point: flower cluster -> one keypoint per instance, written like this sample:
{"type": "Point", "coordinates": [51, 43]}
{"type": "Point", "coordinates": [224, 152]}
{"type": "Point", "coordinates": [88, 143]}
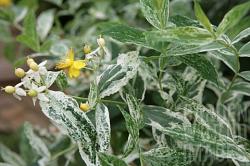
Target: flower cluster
{"type": "Point", "coordinates": [32, 82]}
{"type": "Point", "coordinates": [72, 66]}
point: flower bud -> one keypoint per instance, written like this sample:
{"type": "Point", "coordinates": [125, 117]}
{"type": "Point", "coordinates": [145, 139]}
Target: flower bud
{"type": "Point", "coordinates": [33, 66]}
{"type": "Point", "coordinates": [101, 42]}
{"type": "Point", "coordinates": [29, 61]}
{"type": "Point", "coordinates": [84, 107]}
{"type": "Point", "coordinates": [32, 93]}
{"type": "Point", "coordinates": [9, 89]}
{"type": "Point", "coordinates": [20, 73]}
{"type": "Point", "coordinates": [86, 49]}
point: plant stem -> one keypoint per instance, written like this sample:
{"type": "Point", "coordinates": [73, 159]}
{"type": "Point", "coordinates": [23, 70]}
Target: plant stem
{"type": "Point", "coordinates": [73, 147]}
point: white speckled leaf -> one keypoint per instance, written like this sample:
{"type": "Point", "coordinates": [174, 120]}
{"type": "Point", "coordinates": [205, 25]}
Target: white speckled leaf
{"type": "Point", "coordinates": [184, 35]}
{"type": "Point", "coordinates": [205, 116]}
{"type": "Point", "coordinates": [135, 109]}
{"type": "Point", "coordinates": [50, 78]}
{"type": "Point", "coordinates": [156, 12]}
{"type": "Point", "coordinates": [201, 136]}
{"type": "Point", "coordinates": [167, 156]}
{"type": "Point", "coordinates": [65, 112]}
{"type": "Point", "coordinates": [102, 127]}
{"type": "Point", "coordinates": [133, 130]}
{"type": "Point", "coordinates": [117, 76]}
{"type": "Point", "coordinates": [37, 144]}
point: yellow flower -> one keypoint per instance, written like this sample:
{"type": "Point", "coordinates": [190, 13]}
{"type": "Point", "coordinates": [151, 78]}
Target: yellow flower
{"type": "Point", "coordinates": [71, 65]}
{"type": "Point", "coordinates": [5, 3]}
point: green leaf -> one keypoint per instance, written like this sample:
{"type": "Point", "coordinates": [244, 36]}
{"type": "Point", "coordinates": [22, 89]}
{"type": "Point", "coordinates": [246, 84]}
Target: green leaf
{"type": "Point", "coordinates": [133, 130]}
{"type": "Point", "coordinates": [241, 87]}
{"type": "Point", "coordinates": [123, 33]}
{"type": "Point", "coordinates": [233, 17]}
{"type": "Point", "coordinates": [183, 21]}
{"type": "Point", "coordinates": [126, 34]}
{"type": "Point", "coordinates": [5, 33]}
{"type": "Point", "coordinates": [102, 127]}
{"type": "Point", "coordinates": [59, 48]}
{"type": "Point", "coordinates": [10, 157]}
{"type": "Point", "coordinates": [135, 110]}
{"type": "Point", "coordinates": [110, 160]}
{"type": "Point", "coordinates": [163, 116]}
{"type": "Point", "coordinates": [245, 75]}
{"type": "Point", "coordinates": [228, 58]}
{"type": "Point", "coordinates": [57, 2]}
{"type": "Point", "coordinates": [201, 16]}
{"type": "Point", "coordinates": [167, 156]}
{"type": "Point", "coordinates": [9, 52]}
{"type": "Point", "coordinates": [51, 77]}
{"type": "Point", "coordinates": [5, 164]}
{"type": "Point", "coordinates": [44, 23]}
{"type": "Point", "coordinates": [93, 94]}
{"type": "Point", "coordinates": [243, 34]}
{"type": "Point", "coordinates": [116, 76]}
{"type": "Point", "coordinates": [245, 50]}
{"type": "Point", "coordinates": [61, 81]}
{"type": "Point", "coordinates": [205, 116]}
{"type": "Point", "coordinates": [29, 35]}
{"type": "Point", "coordinates": [37, 144]}
{"type": "Point", "coordinates": [65, 112]}
{"type": "Point", "coordinates": [200, 136]}
{"type": "Point", "coordinates": [202, 65]}
{"type": "Point", "coordinates": [183, 35]}
{"type": "Point", "coordinates": [180, 49]}
{"type": "Point", "coordinates": [156, 12]}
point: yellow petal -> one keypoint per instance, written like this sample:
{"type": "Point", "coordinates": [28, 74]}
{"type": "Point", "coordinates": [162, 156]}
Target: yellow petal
{"type": "Point", "coordinates": [73, 72]}
{"type": "Point", "coordinates": [70, 54]}
{"type": "Point", "coordinates": [64, 64]}
{"type": "Point", "coordinates": [79, 64]}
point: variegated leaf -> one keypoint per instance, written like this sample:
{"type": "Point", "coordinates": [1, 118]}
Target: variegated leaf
{"type": "Point", "coordinates": [37, 145]}
{"type": "Point", "coordinates": [116, 76]}
{"type": "Point", "coordinates": [65, 112]}
{"type": "Point", "coordinates": [167, 156]}
{"type": "Point", "coordinates": [110, 160]}
{"type": "Point", "coordinates": [133, 130]}
{"type": "Point", "coordinates": [102, 127]}
{"type": "Point", "coordinates": [206, 116]}
{"type": "Point", "coordinates": [93, 94]}
{"type": "Point", "coordinates": [201, 136]}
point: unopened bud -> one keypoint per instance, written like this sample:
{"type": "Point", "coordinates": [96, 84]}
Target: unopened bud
{"type": "Point", "coordinates": [9, 89]}
{"type": "Point", "coordinates": [20, 73]}
{"type": "Point", "coordinates": [32, 93]}
{"type": "Point", "coordinates": [29, 61]}
{"type": "Point", "coordinates": [84, 107]}
{"type": "Point", "coordinates": [86, 49]}
{"type": "Point", "coordinates": [33, 66]}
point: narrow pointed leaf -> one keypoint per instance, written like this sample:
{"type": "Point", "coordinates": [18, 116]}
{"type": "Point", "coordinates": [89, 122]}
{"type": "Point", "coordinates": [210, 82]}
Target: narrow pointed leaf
{"type": "Point", "coordinates": [233, 17]}
{"type": "Point", "coordinates": [201, 16]}
{"type": "Point", "coordinates": [156, 12]}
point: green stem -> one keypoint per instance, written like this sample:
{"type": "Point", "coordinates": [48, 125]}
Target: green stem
{"type": "Point", "coordinates": [235, 51]}
{"type": "Point", "coordinates": [102, 100]}
{"type": "Point", "coordinates": [74, 147]}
